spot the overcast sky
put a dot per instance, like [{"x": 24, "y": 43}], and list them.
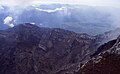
[{"x": 114, "y": 3}]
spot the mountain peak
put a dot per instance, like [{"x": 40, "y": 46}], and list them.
[{"x": 27, "y": 25}]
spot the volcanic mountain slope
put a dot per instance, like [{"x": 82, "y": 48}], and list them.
[
  {"x": 106, "y": 62},
  {"x": 28, "y": 49},
  {"x": 106, "y": 40}
]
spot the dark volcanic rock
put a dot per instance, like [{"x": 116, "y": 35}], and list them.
[
  {"x": 28, "y": 49},
  {"x": 104, "y": 47},
  {"x": 106, "y": 62}
]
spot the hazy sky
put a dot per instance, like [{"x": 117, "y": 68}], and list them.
[{"x": 114, "y": 3}]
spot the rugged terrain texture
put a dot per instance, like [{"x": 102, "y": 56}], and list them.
[
  {"x": 28, "y": 49},
  {"x": 107, "y": 62},
  {"x": 108, "y": 36}
]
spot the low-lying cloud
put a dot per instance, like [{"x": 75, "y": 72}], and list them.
[
  {"x": 50, "y": 11},
  {"x": 9, "y": 21}
]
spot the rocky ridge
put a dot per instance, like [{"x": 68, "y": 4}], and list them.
[
  {"x": 29, "y": 49},
  {"x": 105, "y": 62}
]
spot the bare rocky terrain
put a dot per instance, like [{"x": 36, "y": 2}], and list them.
[
  {"x": 29, "y": 49},
  {"x": 107, "y": 61}
]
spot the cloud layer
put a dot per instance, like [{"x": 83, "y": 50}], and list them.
[
  {"x": 50, "y": 11},
  {"x": 114, "y": 3}
]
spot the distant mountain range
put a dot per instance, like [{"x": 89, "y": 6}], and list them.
[
  {"x": 59, "y": 39},
  {"x": 78, "y": 18}
]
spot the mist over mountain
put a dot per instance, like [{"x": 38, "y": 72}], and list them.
[
  {"x": 46, "y": 38},
  {"x": 79, "y": 18}
]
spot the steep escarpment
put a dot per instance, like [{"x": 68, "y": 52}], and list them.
[
  {"x": 104, "y": 47},
  {"x": 28, "y": 49},
  {"x": 108, "y": 36},
  {"x": 107, "y": 61}
]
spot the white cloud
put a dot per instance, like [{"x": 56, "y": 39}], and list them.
[
  {"x": 9, "y": 21},
  {"x": 63, "y": 9},
  {"x": 50, "y": 11}
]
